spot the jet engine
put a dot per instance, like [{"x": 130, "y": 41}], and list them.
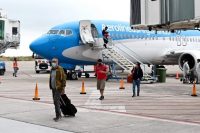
[{"x": 191, "y": 57}]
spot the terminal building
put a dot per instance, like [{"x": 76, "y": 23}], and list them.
[{"x": 165, "y": 14}]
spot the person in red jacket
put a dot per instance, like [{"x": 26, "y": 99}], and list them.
[
  {"x": 15, "y": 67},
  {"x": 101, "y": 73}
]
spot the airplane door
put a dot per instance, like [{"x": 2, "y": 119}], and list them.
[{"x": 85, "y": 32}]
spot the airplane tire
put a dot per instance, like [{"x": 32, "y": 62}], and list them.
[
  {"x": 73, "y": 76},
  {"x": 1, "y": 72},
  {"x": 87, "y": 75},
  {"x": 79, "y": 74},
  {"x": 37, "y": 71}
]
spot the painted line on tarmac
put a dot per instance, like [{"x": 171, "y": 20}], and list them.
[
  {"x": 96, "y": 103},
  {"x": 26, "y": 74},
  {"x": 184, "y": 122}
]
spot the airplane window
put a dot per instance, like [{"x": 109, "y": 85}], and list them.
[
  {"x": 68, "y": 32},
  {"x": 53, "y": 32},
  {"x": 62, "y": 32}
]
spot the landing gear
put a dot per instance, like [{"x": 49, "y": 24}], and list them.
[
  {"x": 87, "y": 75},
  {"x": 72, "y": 75}
]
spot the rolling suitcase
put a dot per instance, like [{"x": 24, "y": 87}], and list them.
[{"x": 66, "y": 107}]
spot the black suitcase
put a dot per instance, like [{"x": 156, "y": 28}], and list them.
[{"x": 66, "y": 107}]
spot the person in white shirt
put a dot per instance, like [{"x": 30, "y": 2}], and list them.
[{"x": 186, "y": 71}]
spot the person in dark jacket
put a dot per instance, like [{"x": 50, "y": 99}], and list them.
[
  {"x": 57, "y": 83},
  {"x": 105, "y": 36},
  {"x": 137, "y": 77}
]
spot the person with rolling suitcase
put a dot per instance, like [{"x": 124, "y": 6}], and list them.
[
  {"x": 67, "y": 108},
  {"x": 57, "y": 83}
]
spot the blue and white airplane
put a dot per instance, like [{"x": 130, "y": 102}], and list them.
[{"x": 81, "y": 43}]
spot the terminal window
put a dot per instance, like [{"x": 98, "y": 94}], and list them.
[
  {"x": 14, "y": 30},
  {"x": 1, "y": 29}
]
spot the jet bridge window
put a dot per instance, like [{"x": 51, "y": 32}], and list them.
[
  {"x": 14, "y": 30},
  {"x": 1, "y": 29}
]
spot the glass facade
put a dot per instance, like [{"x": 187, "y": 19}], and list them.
[
  {"x": 176, "y": 10},
  {"x": 2, "y": 23},
  {"x": 135, "y": 12}
]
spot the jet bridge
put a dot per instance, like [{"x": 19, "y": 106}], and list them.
[{"x": 9, "y": 32}]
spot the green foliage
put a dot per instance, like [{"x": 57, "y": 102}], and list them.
[{"x": 20, "y": 58}]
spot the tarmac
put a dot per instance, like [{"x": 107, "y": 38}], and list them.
[{"x": 160, "y": 108}]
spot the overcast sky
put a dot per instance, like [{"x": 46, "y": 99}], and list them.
[{"x": 38, "y": 16}]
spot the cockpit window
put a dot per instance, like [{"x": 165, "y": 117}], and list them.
[
  {"x": 53, "y": 32},
  {"x": 68, "y": 32},
  {"x": 62, "y": 32}
]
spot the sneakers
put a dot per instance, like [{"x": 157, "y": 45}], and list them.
[
  {"x": 101, "y": 98},
  {"x": 57, "y": 118}
]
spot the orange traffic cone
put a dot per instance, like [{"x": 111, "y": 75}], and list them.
[
  {"x": 83, "y": 88},
  {"x": 121, "y": 84},
  {"x": 194, "y": 93},
  {"x": 36, "y": 97},
  {"x": 177, "y": 75}
]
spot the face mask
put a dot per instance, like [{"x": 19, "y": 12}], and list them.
[{"x": 54, "y": 65}]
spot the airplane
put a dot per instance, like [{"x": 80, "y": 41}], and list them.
[{"x": 81, "y": 43}]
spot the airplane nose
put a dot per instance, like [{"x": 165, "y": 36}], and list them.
[{"x": 39, "y": 46}]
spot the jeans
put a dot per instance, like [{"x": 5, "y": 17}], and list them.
[
  {"x": 15, "y": 71},
  {"x": 56, "y": 100},
  {"x": 136, "y": 83}
]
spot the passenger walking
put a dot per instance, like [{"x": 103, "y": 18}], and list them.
[
  {"x": 137, "y": 77},
  {"x": 186, "y": 71},
  {"x": 198, "y": 70},
  {"x": 57, "y": 83},
  {"x": 15, "y": 67},
  {"x": 105, "y": 34},
  {"x": 101, "y": 73}
]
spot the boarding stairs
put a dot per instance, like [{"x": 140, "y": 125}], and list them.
[
  {"x": 114, "y": 53},
  {"x": 119, "y": 59}
]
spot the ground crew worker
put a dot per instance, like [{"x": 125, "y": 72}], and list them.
[
  {"x": 57, "y": 83},
  {"x": 186, "y": 71},
  {"x": 105, "y": 36},
  {"x": 15, "y": 67},
  {"x": 101, "y": 73},
  {"x": 198, "y": 70},
  {"x": 137, "y": 77}
]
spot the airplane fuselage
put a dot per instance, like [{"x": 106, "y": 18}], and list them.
[{"x": 147, "y": 46}]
